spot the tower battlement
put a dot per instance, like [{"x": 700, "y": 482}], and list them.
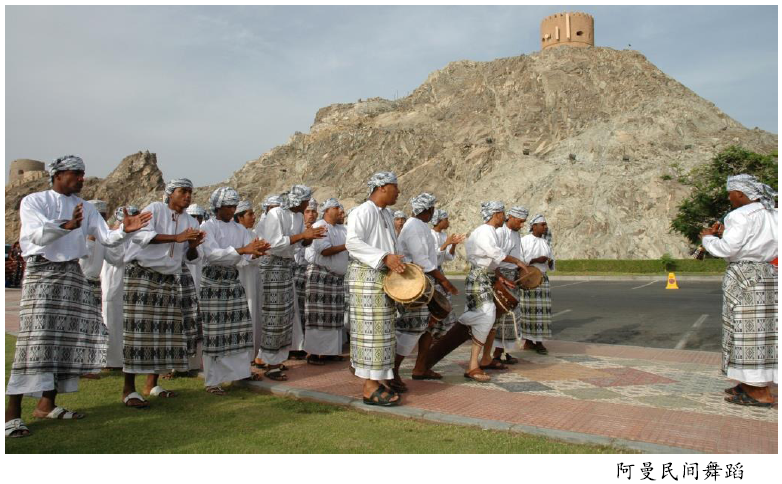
[{"x": 568, "y": 28}]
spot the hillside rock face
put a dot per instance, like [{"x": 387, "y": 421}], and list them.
[
  {"x": 594, "y": 138},
  {"x": 136, "y": 180},
  {"x": 582, "y": 135}
]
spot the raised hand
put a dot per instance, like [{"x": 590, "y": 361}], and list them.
[
  {"x": 193, "y": 243},
  {"x": 76, "y": 218},
  {"x": 454, "y": 239},
  {"x": 188, "y": 235},
  {"x": 394, "y": 262},
  {"x": 132, "y": 223}
]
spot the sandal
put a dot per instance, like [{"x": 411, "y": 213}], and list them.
[
  {"x": 60, "y": 413},
  {"x": 496, "y": 364},
  {"x": 158, "y": 391},
  {"x": 478, "y": 375},
  {"x": 215, "y": 390},
  {"x": 428, "y": 375},
  {"x": 540, "y": 349},
  {"x": 746, "y": 400},
  {"x": 254, "y": 377},
  {"x": 377, "y": 398},
  {"x": 335, "y": 358},
  {"x": 315, "y": 360},
  {"x": 509, "y": 359},
  {"x": 16, "y": 428},
  {"x": 735, "y": 390},
  {"x": 135, "y": 396},
  {"x": 297, "y": 355},
  {"x": 276, "y": 374}
]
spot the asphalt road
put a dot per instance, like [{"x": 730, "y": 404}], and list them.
[{"x": 638, "y": 313}]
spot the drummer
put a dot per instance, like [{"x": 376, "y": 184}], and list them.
[
  {"x": 446, "y": 249},
  {"x": 535, "y": 304},
  {"x": 510, "y": 242},
  {"x": 417, "y": 245},
  {"x": 484, "y": 255}
]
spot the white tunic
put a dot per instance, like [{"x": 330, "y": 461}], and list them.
[
  {"x": 370, "y": 236},
  {"x": 483, "y": 249},
  {"x": 533, "y": 247},
  {"x": 336, "y": 235},
  {"x": 163, "y": 258},
  {"x": 41, "y": 215},
  {"x": 277, "y": 228},
  {"x": 415, "y": 242},
  {"x": 510, "y": 243},
  {"x": 112, "y": 288},
  {"x": 751, "y": 234},
  {"x": 442, "y": 255}
]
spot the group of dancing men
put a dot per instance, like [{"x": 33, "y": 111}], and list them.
[{"x": 176, "y": 288}]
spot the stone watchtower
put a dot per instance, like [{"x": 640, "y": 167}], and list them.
[
  {"x": 24, "y": 169},
  {"x": 571, "y": 28}
]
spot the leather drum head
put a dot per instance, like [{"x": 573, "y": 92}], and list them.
[
  {"x": 407, "y": 286},
  {"x": 531, "y": 279}
]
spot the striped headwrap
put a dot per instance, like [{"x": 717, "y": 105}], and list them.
[
  {"x": 271, "y": 200},
  {"x": 537, "y": 219},
  {"x": 490, "y": 208},
  {"x": 174, "y": 184},
  {"x": 243, "y": 206},
  {"x": 439, "y": 216},
  {"x": 330, "y": 203},
  {"x": 224, "y": 197},
  {"x": 519, "y": 212},
  {"x": 298, "y": 194},
  {"x": 313, "y": 205},
  {"x": 422, "y": 202},
  {"x": 753, "y": 189},
  {"x": 399, "y": 214},
  {"x": 195, "y": 211},
  {"x": 65, "y": 163},
  {"x": 380, "y": 179}
]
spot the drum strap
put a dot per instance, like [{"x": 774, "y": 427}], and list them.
[{"x": 515, "y": 329}]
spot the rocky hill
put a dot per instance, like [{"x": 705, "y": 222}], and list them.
[{"x": 592, "y": 137}]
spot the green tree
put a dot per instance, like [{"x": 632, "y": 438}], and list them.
[{"x": 708, "y": 201}]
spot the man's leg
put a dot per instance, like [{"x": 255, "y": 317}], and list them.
[
  {"x": 13, "y": 411},
  {"x": 761, "y": 394},
  {"x": 397, "y": 384},
  {"x": 371, "y": 385},
  {"x": 424, "y": 343},
  {"x": 487, "y": 355},
  {"x": 130, "y": 387},
  {"x": 45, "y": 404}
]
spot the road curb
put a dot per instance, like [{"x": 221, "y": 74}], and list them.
[
  {"x": 564, "y": 277},
  {"x": 280, "y": 389}
]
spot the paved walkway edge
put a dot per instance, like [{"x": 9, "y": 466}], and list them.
[
  {"x": 564, "y": 277},
  {"x": 283, "y": 390}
]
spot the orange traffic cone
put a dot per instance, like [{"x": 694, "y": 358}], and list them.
[{"x": 672, "y": 281}]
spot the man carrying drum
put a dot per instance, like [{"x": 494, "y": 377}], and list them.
[
  {"x": 417, "y": 245},
  {"x": 371, "y": 244},
  {"x": 485, "y": 256},
  {"x": 535, "y": 304},
  {"x": 507, "y": 324}
]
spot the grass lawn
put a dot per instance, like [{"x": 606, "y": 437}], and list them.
[{"x": 247, "y": 422}]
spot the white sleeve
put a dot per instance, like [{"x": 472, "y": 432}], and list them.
[
  {"x": 40, "y": 230},
  {"x": 115, "y": 255},
  {"x": 145, "y": 235},
  {"x": 317, "y": 246},
  {"x": 213, "y": 253},
  {"x": 417, "y": 244},
  {"x": 733, "y": 238},
  {"x": 98, "y": 228},
  {"x": 273, "y": 230},
  {"x": 358, "y": 232},
  {"x": 488, "y": 244}
]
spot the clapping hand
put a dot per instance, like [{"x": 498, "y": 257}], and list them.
[
  {"x": 76, "y": 218},
  {"x": 316, "y": 233},
  {"x": 187, "y": 235},
  {"x": 132, "y": 223}
]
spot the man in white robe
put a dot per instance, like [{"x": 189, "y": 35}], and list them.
[
  {"x": 50, "y": 356},
  {"x": 283, "y": 229},
  {"x": 446, "y": 250},
  {"x": 484, "y": 255},
  {"x": 415, "y": 242},
  {"x": 371, "y": 244},
  {"x": 749, "y": 241},
  {"x": 535, "y": 304},
  {"x": 228, "y": 328},
  {"x": 300, "y": 284},
  {"x": 249, "y": 274},
  {"x": 399, "y": 221}
]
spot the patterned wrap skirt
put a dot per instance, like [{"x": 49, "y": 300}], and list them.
[
  {"x": 300, "y": 286},
  {"x": 228, "y": 327},
  {"x": 160, "y": 321},
  {"x": 442, "y": 327},
  {"x": 535, "y": 307},
  {"x": 61, "y": 330},
  {"x": 324, "y": 304},
  {"x": 506, "y": 333},
  {"x": 478, "y": 288},
  {"x": 372, "y": 315},
  {"x": 750, "y": 334},
  {"x": 277, "y": 310}
]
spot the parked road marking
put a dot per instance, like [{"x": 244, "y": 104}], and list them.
[
  {"x": 561, "y": 313},
  {"x": 683, "y": 342},
  {"x": 571, "y": 284},
  {"x": 639, "y": 287}
]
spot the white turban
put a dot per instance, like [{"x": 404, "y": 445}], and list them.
[
  {"x": 753, "y": 189},
  {"x": 224, "y": 197},
  {"x": 272, "y": 200},
  {"x": 100, "y": 206},
  {"x": 380, "y": 179},
  {"x": 298, "y": 194},
  {"x": 176, "y": 183},
  {"x": 399, "y": 214},
  {"x": 439, "y": 216},
  {"x": 120, "y": 215},
  {"x": 490, "y": 208},
  {"x": 330, "y": 203},
  {"x": 422, "y": 203},
  {"x": 537, "y": 219},
  {"x": 65, "y": 163},
  {"x": 313, "y": 205},
  {"x": 243, "y": 206},
  {"x": 195, "y": 211},
  {"x": 519, "y": 212}
]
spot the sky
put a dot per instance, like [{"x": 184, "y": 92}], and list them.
[{"x": 210, "y": 88}]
